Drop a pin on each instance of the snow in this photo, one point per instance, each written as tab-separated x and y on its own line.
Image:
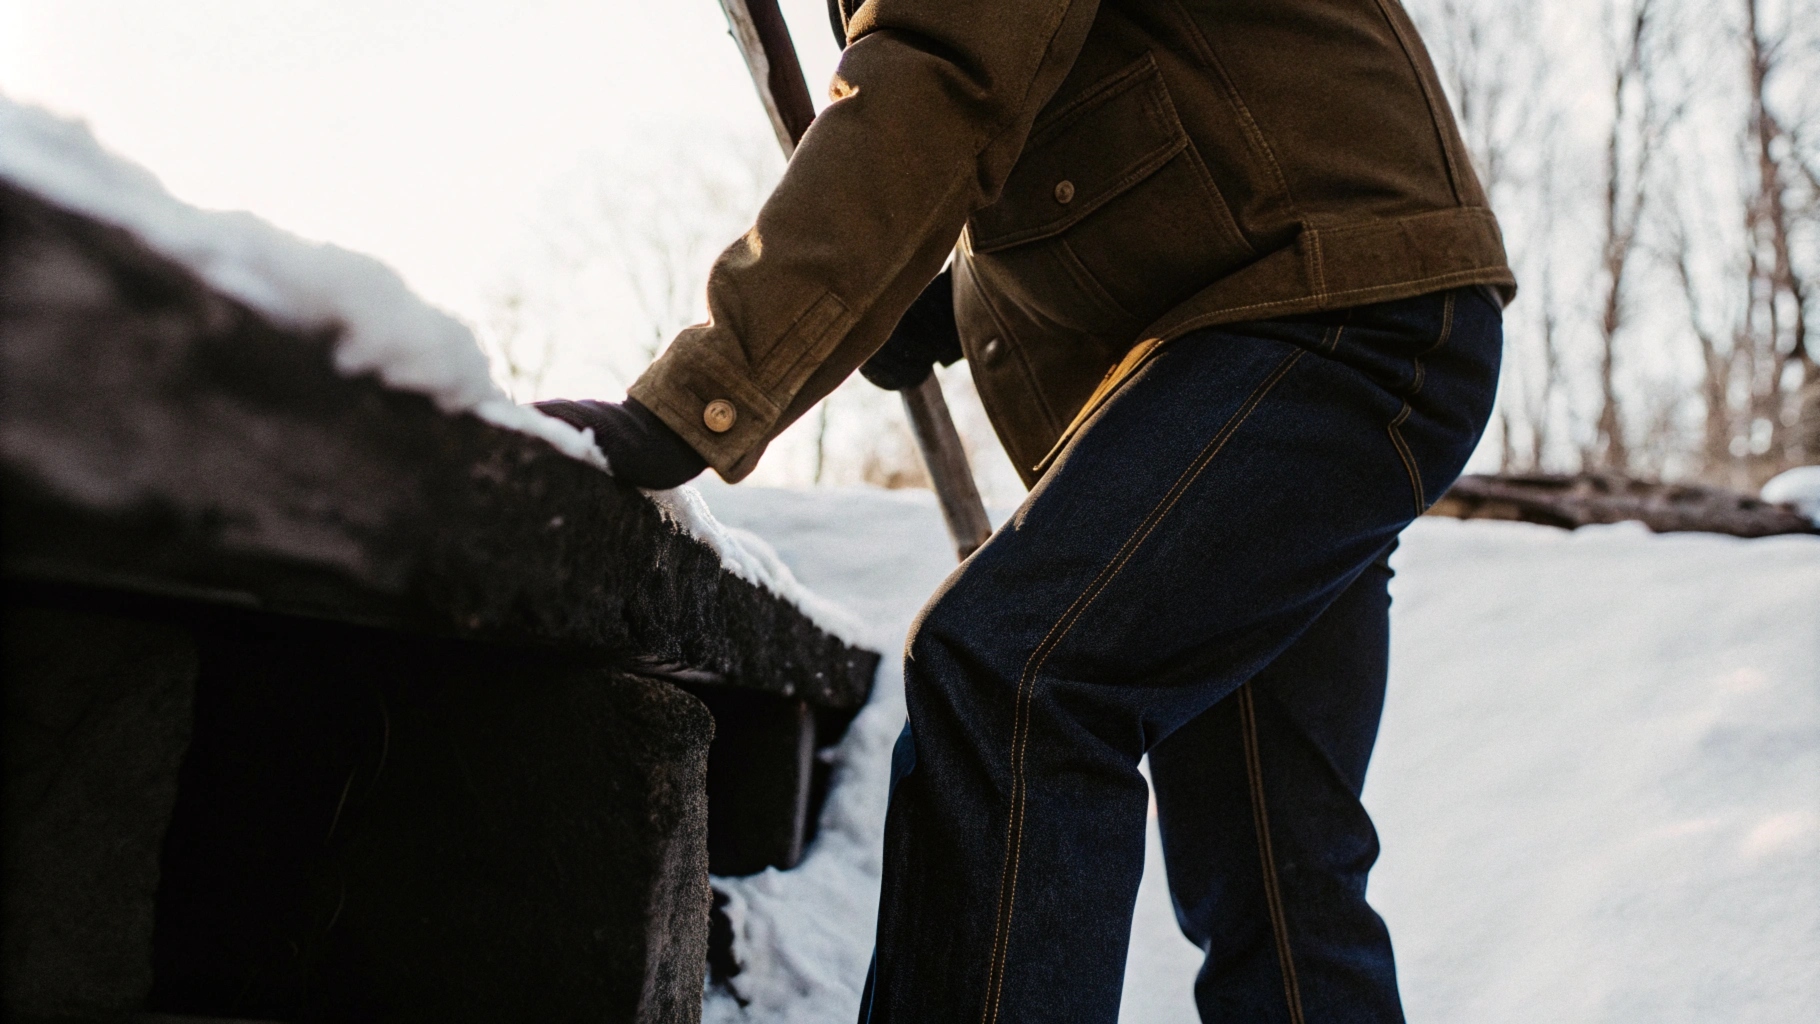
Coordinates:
1799	487
751	558
1598	782
805	936
386	330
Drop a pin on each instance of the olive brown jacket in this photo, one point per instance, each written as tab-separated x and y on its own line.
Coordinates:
1109	176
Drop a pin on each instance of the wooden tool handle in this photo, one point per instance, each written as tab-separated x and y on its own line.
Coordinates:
946	460
764	39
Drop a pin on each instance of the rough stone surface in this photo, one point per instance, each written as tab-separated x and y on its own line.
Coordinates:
97	719
420	784
155	435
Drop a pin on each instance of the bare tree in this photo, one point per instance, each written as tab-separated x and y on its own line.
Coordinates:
1639	119
522	353
1502	62
1717	358
1750	316
1487	58
1780	360
660	224
618	257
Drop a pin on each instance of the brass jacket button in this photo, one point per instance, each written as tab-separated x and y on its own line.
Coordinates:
990	350
719	415
1064	192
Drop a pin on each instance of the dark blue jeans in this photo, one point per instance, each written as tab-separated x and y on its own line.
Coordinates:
1215	525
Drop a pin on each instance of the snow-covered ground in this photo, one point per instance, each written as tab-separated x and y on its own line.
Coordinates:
1598	783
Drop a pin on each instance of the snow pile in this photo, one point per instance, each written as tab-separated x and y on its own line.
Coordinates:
1598	783
805	936
748	556
1799	487
385	329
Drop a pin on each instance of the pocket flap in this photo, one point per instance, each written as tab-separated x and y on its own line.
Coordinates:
1082	156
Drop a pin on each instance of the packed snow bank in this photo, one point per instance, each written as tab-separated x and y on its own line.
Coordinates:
385	329
1598	784
1799	487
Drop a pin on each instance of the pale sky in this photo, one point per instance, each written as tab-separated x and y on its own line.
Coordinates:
423	132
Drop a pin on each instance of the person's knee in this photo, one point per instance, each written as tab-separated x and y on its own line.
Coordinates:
963	638
947	628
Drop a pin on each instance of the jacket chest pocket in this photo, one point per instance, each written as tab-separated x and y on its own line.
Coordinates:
1109	214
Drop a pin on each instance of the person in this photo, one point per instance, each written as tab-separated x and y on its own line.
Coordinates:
1231	294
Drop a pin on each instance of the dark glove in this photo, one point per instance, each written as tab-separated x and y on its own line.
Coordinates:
925	336
640	448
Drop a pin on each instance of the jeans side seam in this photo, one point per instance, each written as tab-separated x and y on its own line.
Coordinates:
1446	333
1339	331
1001	943
1260	818
1408	457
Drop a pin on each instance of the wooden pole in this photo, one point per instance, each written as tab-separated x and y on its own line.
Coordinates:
946	461
764	39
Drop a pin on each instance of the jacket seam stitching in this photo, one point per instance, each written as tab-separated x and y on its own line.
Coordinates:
1057	120
1317	268
1246	119
819	337
1039	657
1016	350
1438	281
1428	98
1023	102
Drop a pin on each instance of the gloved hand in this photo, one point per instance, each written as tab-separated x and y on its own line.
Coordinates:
640	448
925	336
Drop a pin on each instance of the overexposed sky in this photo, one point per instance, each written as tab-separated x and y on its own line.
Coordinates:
423	132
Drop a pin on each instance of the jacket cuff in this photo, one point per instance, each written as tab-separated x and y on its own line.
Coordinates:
711	404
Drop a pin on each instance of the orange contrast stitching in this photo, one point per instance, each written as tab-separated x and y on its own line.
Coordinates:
1421	374
1408	457
1020	729
1260	818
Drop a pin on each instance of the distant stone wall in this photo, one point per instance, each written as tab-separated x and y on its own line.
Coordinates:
323	704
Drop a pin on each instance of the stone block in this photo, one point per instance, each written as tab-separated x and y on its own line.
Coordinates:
97	718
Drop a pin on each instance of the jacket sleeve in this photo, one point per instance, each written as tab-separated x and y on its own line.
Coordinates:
932	101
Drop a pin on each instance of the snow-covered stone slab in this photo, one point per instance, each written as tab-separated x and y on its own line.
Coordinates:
157	435
339	686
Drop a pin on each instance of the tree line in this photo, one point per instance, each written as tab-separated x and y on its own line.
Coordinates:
1656	164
